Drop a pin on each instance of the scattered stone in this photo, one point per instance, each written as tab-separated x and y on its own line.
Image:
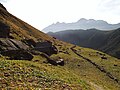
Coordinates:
60	62
66	87
56	62
115	65
6	74
36	60
103	57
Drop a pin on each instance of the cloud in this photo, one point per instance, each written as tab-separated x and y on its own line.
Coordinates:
110	6
3	0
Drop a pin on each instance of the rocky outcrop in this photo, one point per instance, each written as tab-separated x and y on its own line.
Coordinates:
46	47
4	30
29	42
18	55
19	44
11	44
55	62
14	49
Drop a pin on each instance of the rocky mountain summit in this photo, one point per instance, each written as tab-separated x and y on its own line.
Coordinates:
81	24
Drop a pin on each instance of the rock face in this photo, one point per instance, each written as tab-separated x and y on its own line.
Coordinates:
4	30
58	61
14	49
29	42
18	55
11	44
46	47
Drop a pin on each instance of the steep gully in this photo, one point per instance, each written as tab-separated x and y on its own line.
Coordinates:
96	65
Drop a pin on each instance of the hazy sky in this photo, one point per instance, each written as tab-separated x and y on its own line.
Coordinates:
41	13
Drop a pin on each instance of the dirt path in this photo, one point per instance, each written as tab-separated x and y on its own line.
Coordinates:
97	66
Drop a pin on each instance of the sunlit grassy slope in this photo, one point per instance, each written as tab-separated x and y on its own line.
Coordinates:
76	74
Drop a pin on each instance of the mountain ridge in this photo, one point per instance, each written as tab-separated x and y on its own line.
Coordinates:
82	24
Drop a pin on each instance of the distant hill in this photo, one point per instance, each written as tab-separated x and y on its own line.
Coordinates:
82	24
106	41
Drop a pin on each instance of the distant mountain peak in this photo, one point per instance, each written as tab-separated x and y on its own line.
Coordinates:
82	24
82	20
57	22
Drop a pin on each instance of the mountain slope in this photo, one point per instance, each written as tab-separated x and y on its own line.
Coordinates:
22	66
81	24
21	29
106	41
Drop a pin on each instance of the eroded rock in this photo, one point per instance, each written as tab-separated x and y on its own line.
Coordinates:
11	44
18	55
46	47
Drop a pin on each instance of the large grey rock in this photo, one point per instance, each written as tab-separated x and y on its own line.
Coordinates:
57	61
14	49
6	44
18	55
11	44
19	44
29	42
46	47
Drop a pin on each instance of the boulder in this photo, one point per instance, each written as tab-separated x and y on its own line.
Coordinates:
6	44
4	30
14	49
19	44
103	57
11	44
46	47
18	55
29	42
58	61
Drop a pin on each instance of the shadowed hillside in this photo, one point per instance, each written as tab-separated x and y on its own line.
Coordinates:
106	41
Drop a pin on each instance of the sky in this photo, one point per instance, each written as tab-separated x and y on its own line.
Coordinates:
41	13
